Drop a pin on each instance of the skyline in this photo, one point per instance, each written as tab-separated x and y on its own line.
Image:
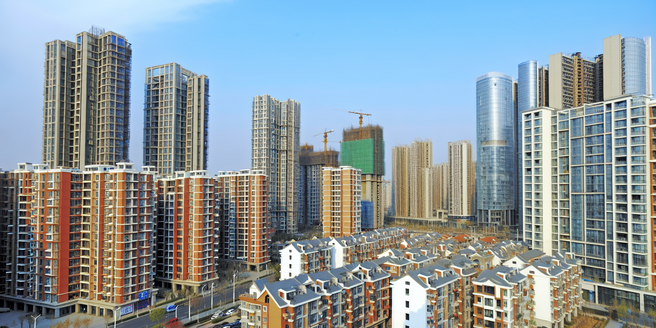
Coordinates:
383	60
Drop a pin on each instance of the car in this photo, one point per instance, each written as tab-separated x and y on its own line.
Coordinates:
230	312
171	308
218	315
174	320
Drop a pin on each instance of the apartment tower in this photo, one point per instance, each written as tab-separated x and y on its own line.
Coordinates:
311	182
86	100
627	66
82	236
176	114
364	148
441	193
276	147
495	171
600	209
242	218
400	180
461	180
341	200
185	230
420	173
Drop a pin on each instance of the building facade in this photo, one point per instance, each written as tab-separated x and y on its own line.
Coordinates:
495	159
185	230
627	66
311	182
86	100
341	201
400	180
242	226
599	154
364	148
420	174
83	240
462	178
176	114
276	146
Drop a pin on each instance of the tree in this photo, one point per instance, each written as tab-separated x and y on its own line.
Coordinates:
168	295
86	323
62	324
157	315
276	270
77	322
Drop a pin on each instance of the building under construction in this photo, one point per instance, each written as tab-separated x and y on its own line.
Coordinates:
364	148
312	163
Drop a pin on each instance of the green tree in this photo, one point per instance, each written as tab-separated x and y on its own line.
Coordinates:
276	270
157	315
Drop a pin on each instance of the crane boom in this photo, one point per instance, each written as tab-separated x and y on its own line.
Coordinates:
325	143
361	113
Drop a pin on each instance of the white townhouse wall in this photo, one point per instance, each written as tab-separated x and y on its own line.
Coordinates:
290	262
337	260
408	303
516	262
542	288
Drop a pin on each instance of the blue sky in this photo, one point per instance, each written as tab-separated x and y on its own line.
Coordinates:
413	64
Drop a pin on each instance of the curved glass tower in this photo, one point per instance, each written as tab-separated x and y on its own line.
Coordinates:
635	63
495	145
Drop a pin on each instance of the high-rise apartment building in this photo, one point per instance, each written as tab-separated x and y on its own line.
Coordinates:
276	146
82	236
242	218
627	66
495	155
462	176
341	200
86	100
8	204
573	80
441	186
185	230
400	180
364	148
311	181
176	114
587	190
420	173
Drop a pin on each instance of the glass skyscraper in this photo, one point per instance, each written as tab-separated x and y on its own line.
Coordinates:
635	63
495	144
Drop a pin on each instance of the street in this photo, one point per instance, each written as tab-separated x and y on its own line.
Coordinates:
183	310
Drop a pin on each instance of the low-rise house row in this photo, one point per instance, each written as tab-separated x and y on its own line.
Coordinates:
356	295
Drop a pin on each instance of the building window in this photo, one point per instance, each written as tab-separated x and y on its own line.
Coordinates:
407	316
407	292
407	304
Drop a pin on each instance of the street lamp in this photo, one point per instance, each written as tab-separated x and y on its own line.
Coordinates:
202	290
118	308
33	317
234	283
212	297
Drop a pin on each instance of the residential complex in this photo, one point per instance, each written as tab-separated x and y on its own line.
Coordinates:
462	180
176	114
413	179
185	230
311	182
276	146
81	241
592	162
242	219
357	295
364	149
341	201
86	100
495	159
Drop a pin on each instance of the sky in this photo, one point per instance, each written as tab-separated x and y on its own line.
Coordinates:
412	64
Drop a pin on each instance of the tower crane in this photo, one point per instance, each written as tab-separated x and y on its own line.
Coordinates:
325	143
361	113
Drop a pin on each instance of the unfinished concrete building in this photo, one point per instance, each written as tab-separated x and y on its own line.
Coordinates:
310	186
364	148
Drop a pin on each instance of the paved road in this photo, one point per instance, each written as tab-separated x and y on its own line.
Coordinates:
183	310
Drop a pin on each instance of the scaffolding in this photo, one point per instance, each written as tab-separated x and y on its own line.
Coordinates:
308	157
366	153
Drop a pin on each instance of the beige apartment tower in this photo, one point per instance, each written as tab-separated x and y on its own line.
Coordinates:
441	186
400	180
461	179
421	163
86	100
574	80
341	201
176	115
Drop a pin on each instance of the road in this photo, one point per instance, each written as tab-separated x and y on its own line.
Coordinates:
183	310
